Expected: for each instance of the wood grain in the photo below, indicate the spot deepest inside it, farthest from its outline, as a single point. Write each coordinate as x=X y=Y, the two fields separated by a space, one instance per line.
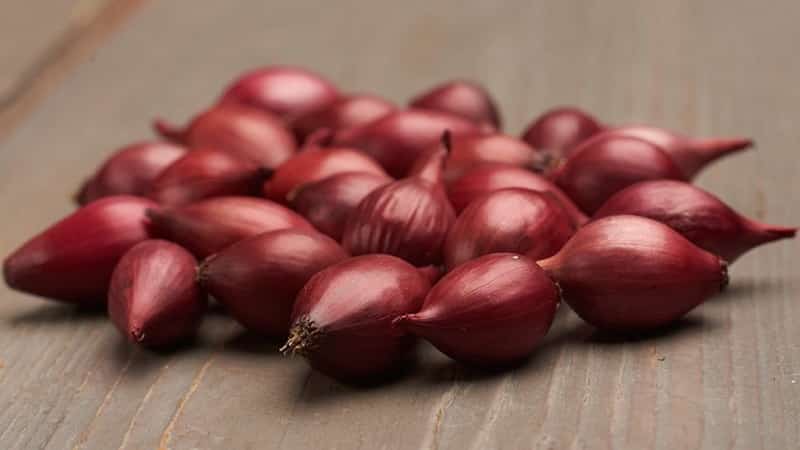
x=727 y=377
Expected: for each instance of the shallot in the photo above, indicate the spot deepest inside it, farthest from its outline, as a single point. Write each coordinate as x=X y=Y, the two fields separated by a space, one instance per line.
x=245 y=131
x=462 y=98
x=560 y=129
x=130 y=170
x=153 y=299
x=209 y=225
x=73 y=259
x=491 y=311
x=346 y=112
x=631 y=274
x=696 y=214
x=258 y=278
x=509 y=220
x=342 y=318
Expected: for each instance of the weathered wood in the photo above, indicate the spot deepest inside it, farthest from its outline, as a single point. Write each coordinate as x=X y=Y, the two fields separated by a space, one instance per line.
x=727 y=377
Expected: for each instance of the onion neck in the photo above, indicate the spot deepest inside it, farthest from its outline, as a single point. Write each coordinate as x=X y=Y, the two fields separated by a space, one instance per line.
x=169 y=131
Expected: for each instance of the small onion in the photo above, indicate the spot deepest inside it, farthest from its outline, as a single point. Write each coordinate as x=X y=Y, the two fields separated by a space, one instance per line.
x=559 y=130
x=696 y=214
x=491 y=311
x=258 y=278
x=509 y=220
x=245 y=131
x=347 y=112
x=342 y=318
x=462 y=98
x=632 y=274
x=329 y=202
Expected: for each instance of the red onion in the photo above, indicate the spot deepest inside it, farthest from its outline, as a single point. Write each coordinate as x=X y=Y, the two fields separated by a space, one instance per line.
x=342 y=319
x=492 y=177
x=398 y=139
x=462 y=98
x=408 y=218
x=130 y=170
x=346 y=112
x=629 y=273
x=314 y=164
x=491 y=311
x=257 y=279
x=153 y=299
x=560 y=129
x=509 y=220
x=210 y=225
x=607 y=164
x=472 y=150
x=288 y=92
x=248 y=132
x=690 y=155
x=206 y=173
x=697 y=215
x=329 y=202
x=73 y=259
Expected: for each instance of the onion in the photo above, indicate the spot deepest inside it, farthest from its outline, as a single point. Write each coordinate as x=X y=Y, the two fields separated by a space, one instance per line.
x=316 y=163
x=346 y=112
x=487 y=178
x=288 y=92
x=153 y=299
x=462 y=98
x=469 y=151
x=607 y=164
x=690 y=155
x=329 y=202
x=257 y=279
x=509 y=220
x=491 y=311
x=631 y=274
x=559 y=130
x=398 y=139
x=72 y=260
x=408 y=218
x=206 y=173
x=130 y=170
x=697 y=215
x=210 y=225
x=242 y=130
x=342 y=318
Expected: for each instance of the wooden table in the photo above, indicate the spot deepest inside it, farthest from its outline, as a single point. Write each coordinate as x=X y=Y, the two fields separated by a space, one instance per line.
x=727 y=377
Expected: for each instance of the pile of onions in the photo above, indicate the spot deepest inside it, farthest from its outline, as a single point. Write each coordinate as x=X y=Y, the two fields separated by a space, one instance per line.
x=388 y=226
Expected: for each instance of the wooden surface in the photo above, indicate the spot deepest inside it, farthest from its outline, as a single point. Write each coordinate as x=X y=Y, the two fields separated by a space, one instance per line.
x=727 y=377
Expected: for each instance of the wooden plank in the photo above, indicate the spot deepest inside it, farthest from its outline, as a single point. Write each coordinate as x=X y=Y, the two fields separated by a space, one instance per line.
x=726 y=378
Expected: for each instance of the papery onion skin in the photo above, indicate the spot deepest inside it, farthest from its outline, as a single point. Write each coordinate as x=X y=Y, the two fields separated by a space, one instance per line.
x=408 y=218
x=210 y=225
x=288 y=92
x=509 y=220
x=245 y=131
x=487 y=178
x=630 y=274
x=72 y=260
x=342 y=318
x=204 y=173
x=347 y=112
x=603 y=166
x=130 y=170
x=560 y=129
x=689 y=154
x=153 y=299
x=314 y=164
x=492 y=311
x=257 y=279
x=462 y=98
x=696 y=214
x=329 y=202
x=398 y=139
